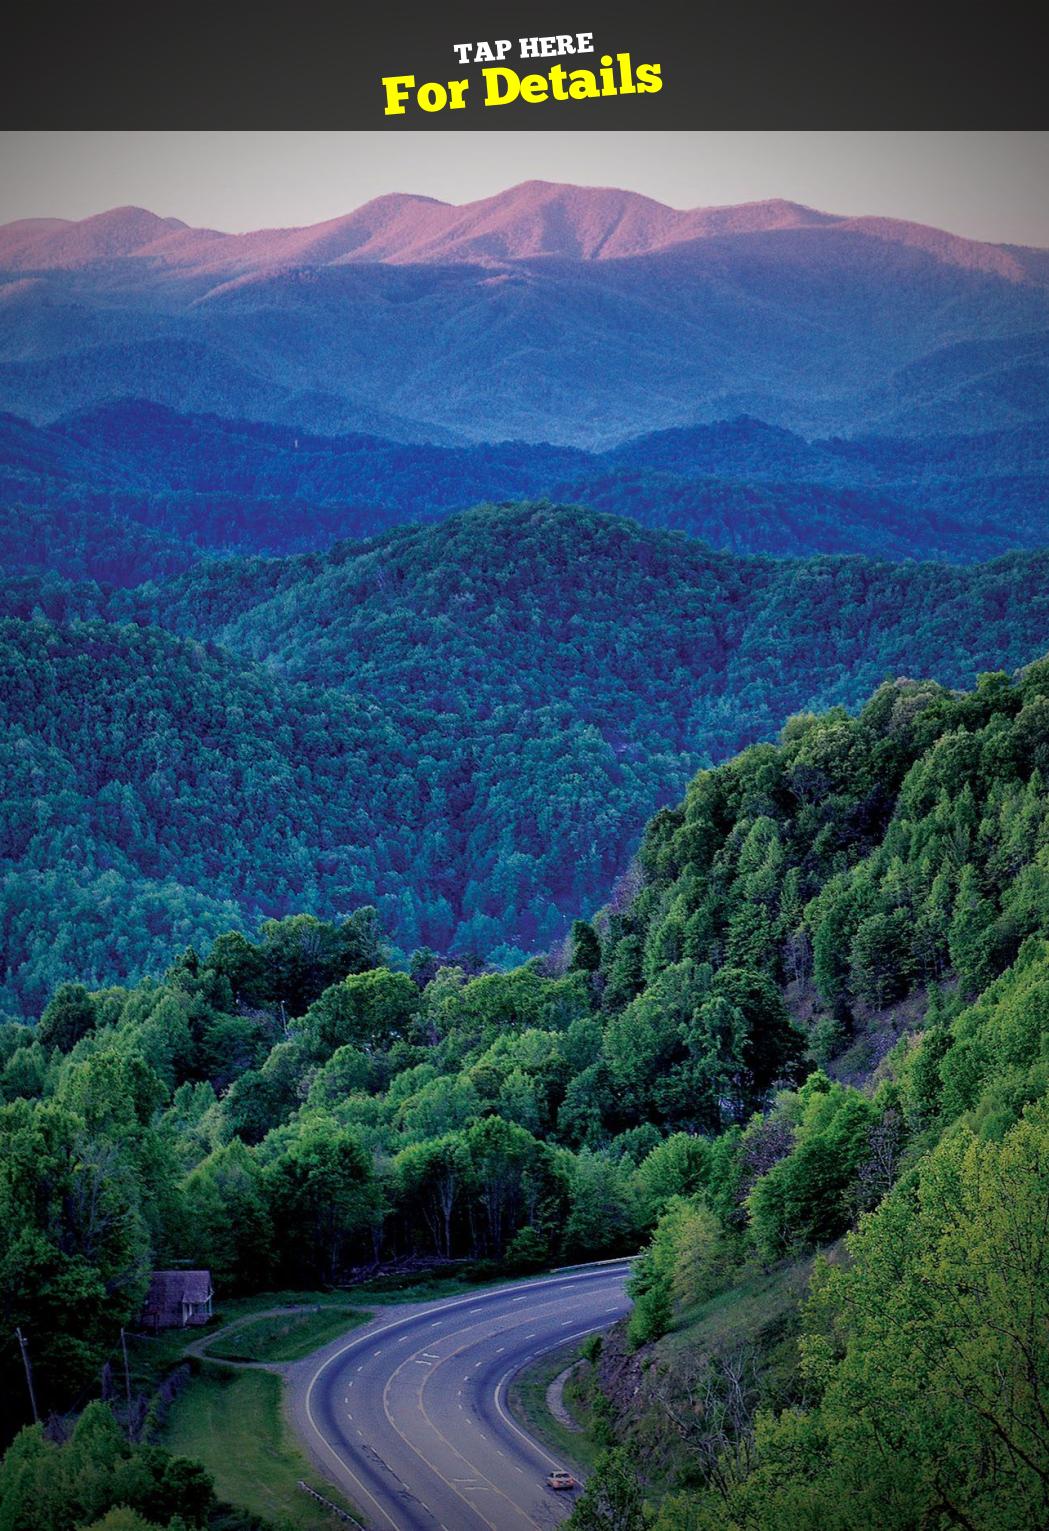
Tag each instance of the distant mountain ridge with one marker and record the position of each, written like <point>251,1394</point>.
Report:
<point>533,219</point>
<point>131,490</point>
<point>581,316</point>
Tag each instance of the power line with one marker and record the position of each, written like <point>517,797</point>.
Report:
<point>127,1379</point>
<point>24,1347</point>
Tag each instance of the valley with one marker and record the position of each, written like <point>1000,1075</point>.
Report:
<point>524,853</point>
<point>465,726</point>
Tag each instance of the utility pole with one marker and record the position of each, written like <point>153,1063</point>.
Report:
<point>127,1380</point>
<point>24,1348</point>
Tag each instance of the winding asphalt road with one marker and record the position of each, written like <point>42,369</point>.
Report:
<point>410,1417</point>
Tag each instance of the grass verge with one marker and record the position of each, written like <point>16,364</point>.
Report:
<point>527,1399</point>
<point>232,1422</point>
<point>286,1336</point>
<point>382,1290</point>
<point>231,1308</point>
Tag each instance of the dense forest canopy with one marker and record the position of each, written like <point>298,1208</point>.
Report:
<point>821,995</point>
<point>465,725</point>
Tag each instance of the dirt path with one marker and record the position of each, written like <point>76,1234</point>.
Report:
<point>200,1347</point>
<point>555,1399</point>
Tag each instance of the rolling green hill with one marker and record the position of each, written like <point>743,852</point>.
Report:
<point>465,725</point>
<point>800,1054</point>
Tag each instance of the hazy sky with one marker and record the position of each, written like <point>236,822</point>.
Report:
<point>985,185</point>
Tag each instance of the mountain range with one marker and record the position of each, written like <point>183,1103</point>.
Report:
<point>416,558</point>
<point>536,218</point>
<point>574,315</point>
<point>460,811</point>
<point>465,725</point>
<point>128,491</point>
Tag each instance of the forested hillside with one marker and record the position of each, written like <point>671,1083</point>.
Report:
<point>130,491</point>
<point>465,725</point>
<point>817,999</point>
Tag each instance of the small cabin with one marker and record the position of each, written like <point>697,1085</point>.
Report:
<point>177,1299</point>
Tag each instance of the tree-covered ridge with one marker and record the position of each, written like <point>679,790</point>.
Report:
<point>129,491</point>
<point>892,865</point>
<point>820,995</point>
<point>465,725</point>
<point>850,325</point>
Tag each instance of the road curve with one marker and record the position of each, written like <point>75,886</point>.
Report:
<point>409,1416</point>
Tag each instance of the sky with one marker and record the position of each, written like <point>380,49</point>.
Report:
<point>984,185</point>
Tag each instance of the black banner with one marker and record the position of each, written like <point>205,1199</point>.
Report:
<point>322,65</point>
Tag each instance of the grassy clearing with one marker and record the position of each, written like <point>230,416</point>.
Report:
<point>232,1422</point>
<point>383,1290</point>
<point>232,1308</point>
<point>153,1356</point>
<point>574,1448</point>
<point>286,1337</point>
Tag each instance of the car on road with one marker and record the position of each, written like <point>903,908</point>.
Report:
<point>560,1479</point>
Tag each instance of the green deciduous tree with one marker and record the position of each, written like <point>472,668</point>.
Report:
<point>613,1499</point>
<point>68,1016</point>
<point>325,1203</point>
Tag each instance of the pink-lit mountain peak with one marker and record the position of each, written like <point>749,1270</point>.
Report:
<point>545,218</point>
<point>533,220</point>
<point>48,242</point>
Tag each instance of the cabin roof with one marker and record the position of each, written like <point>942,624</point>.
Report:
<point>175,1287</point>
